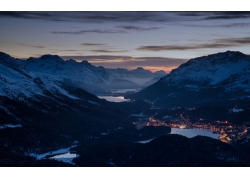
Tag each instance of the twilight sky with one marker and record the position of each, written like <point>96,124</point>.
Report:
<point>153,40</point>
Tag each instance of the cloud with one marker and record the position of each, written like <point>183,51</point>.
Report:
<point>66,50</point>
<point>97,16</point>
<point>228,15</point>
<point>218,43</point>
<point>108,51</point>
<point>97,58</point>
<point>190,14</point>
<point>29,45</point>
<point>177,47</point>
<point>138,28</point>
<point>104,48</point>
<point>27,15</point>
<point>101,31</point>
<point>235,41</point>
<point>223,15</point>
<point>234,25</point>
<point>231,25</point>
<point>92,44</point>
<point>124,16</point>
<point>89,31</point>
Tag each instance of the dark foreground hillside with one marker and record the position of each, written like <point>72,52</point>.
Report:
<point>166,151</point>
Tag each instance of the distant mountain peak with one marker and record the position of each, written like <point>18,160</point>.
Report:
<point>220,55</point>
<point>85,62</point>
<point>139,68</point>
<point>234,52</point>
<point>49,57</point>
<point>71,61</point>
<point>4,55</point>
<point>160,73</point>
<point>216,59</point>
<point>6,58</point>
<point>228,53</point>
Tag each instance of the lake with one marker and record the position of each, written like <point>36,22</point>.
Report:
<point>189,133</point>
<point>194,132</point>
<point>113,98</point>
<point>66,157</point>
<point>124,90</point>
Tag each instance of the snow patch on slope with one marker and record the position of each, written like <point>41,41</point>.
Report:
<point>95,103</point>
<point>10,126</point>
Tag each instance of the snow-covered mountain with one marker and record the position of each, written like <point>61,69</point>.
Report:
<point>40,111</point>
<point>17,81</point>
<point>41,92</point>
<point>52,80</point>
<point>26,94</point>
<point>209,79</point>
<point>229,70</point>
<point>160,73</point>
<point>34,76</point>
<point>70,69</point>
<point>79,74</point>
<point>84,75</point>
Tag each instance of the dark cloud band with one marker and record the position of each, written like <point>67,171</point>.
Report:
<point>138,28</point>
<point>218,43</point>
<point>89,31</point>
<point>32,46</point>
<point>100,17</point>
<point>92,44</point>
<point>108,51</point>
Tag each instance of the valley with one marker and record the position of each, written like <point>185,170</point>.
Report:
<point>84,115</point>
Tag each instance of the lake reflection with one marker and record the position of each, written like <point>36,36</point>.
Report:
<point>194,132</point>
<point>66,155</point>
<point>189,133</point>
<point>113,98</point>
<point>124,90</point>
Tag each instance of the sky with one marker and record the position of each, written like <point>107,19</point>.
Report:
<point>154,40</point>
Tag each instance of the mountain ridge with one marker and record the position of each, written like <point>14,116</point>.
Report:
<point>96,80</point>
<point>221,76</point>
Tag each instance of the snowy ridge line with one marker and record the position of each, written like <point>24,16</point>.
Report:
<point>10,126</point>
<point>95,103</point>
<point>230,69</point>
<point>78,74</point>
